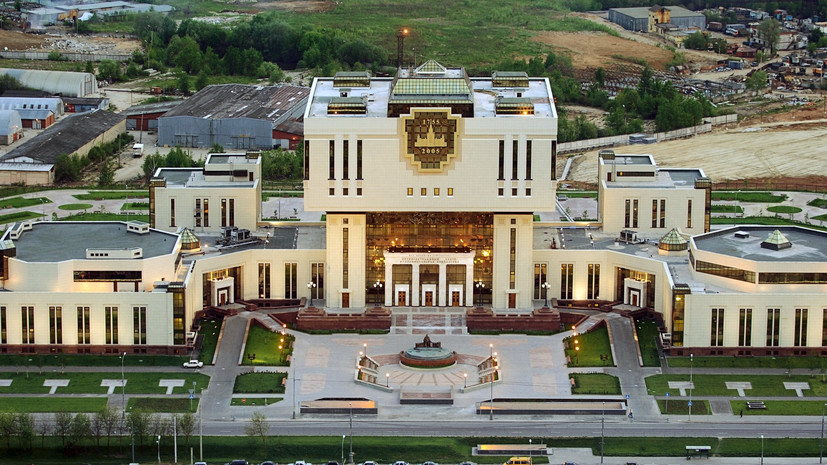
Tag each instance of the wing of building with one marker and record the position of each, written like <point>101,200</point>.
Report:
<point>68,83</point>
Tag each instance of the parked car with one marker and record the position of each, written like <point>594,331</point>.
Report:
<point>369,462</point>
<point>238,461</point>
<point>429,463</point>
<point>200,463</point>
<point>468,463</point>
<point>400,462</point>
<point>333,462</point>
<point>198,364</point>
<point>267,462</point>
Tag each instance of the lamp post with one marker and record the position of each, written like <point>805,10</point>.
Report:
<point>293,363</point>
<point>365,345</point>
<point>691,361</point>
<point>493,371</point>
<point>350,453</point>
<point>310,286</point>
<point>529,450</point>
<point>377,289</point>
<point>480,286</point>
<point>545,286</point>
<point>123,389</point>
<point>200,428</point>
<point>343,448</point>
<point>158,441</point>
<point>465,386</point>
<point>821,449</point>
<point>387,380</point>
<point>762,449</point>
<point>602,435</point>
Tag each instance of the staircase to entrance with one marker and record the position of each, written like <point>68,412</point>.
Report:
<point>428,320</point>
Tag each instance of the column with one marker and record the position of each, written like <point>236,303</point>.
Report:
<point>443,284</point>
<point>469,284</point>
<point>414,291</point>
<point>388,282</point>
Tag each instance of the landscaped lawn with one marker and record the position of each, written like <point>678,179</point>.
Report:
<point>595,350</point>
<point>135,206</point>
<point>647,334</point>
<point>20,202</point>
<point>820,217</point>
<point>264,345</point>
<point>105,217</point>
<point>764,220</point>
<point>715,385</point>
<point>726,209</point>
<point>259,383</point>
<point>112,195</point>
<point>820,203</point>
<point>680,406</point>
<point>263,401</point>
<point>209,329</point>
<point>19,216</point>
<point>75,206</point>
<point>90,383</point>
<point>779,407</point>
<point>749,362</point>
<point>163,404</point>
<point>595,383</point>
<point>578,194</point>
<point>53,404</point>
<point>61,360</point>
<point>783,209</point>
<point>749,196</point>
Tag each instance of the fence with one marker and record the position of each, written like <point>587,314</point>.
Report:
<point>32,55</point>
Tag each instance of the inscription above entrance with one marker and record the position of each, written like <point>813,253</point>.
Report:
<point>431,136</point>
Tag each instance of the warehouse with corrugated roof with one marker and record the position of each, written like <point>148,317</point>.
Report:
<point>11,127</point>
<point>67,83</point>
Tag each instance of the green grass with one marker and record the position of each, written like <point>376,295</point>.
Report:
<point>90,383</point>
<point>112,195</point>
<point>814,362</point>
<point>714,385</point>
<point>783,209</point>
<point>820,203</point>
<point>75,206</point>
<point>647,334</point>
<point>135,206</point>
<point>819,218</point>
<point>283,194</point>
<point>37,64</point>
<point>255,401</point>
<point>105,217</point>
<point>163,404</point>
<point>595,383</point>
<point>20,202</point>
<point>19,216</point>
<point>578,194</point>
<point>53,404</point>
<point>765,220</point>
<point>136,360</point>
<point>680,406</point>
<point>749,196</point>
<point>259,383</point>
<point>727,209</point>
<point>209,329</point>
<point>779,407</point>
<point>265,346</point>
<point>592,346</point>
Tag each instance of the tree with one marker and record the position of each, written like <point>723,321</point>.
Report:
<point>258,427</point>
<point>184,83</point>
<point>696,41</point>
<point>44,429</point>
<point>106,177</point>
<point>89,68</point>
<point>201,81</point>
<point>757,81</point>
<point>63,426</point>
<point>186,426</point>
<point>25,430</point>
<point>8,427</point>
<point>600,77</point>
<point>769,30</point>
<point>138,421</point>
<point>109,70</point>
<point>80,429</point>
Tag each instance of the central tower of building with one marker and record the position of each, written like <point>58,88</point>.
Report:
<point>429,181</point>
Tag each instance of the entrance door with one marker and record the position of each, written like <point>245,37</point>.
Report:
<point>345,300</point>
<point>429,299</point>
<point>455,298</point>
<point>401,298</point>
<point>512,300</point>
<point>634,298</point>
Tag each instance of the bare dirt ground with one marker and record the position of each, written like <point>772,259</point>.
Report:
<point>18,40</point>
<point>589,50</point>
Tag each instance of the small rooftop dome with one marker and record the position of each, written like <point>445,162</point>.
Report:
<point>189,241</point>
<point>776,241</point>
<point>672,242</point>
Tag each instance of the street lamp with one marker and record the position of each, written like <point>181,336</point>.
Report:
<point>158,441</point>
<point>343,448</point>
<point>377,289</point>
<point>546,286</point>
<point>465,386</point>
<point>493,370</point>
<point>200,428</point>
<point>762,449</point>
<point>387,379</point>
<point>365,345</point>
<point>293,363</point>
<point>123,389</point>
<point>529,450</point>
<point>310,286</point>
<point>821,450</point>
<point>691,360</point>
<point>350,454</point>
<point>602,435</point>
<point>480,286</point>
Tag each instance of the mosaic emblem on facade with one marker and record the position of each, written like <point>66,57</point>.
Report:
<point>430,139</point>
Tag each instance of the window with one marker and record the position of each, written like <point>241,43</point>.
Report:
<point>725,271</point>
<point>528,160</point>
<point>206,213</point>
<point>4,331</point>
<point>500,192</point>
<point>331,153</point>
<point>345,191</point>
<point>593,291</point>
<point>306,160</point>
<point>514,192</point>
<point>800,333</point>
<point>331,192</point>
<point>410,192</point>
<point>223,212</point>
<point>345,159</point>
<point>501,175</point>
<point>689,213</point>
<point>436,192</point>
<point>553,159</point>
<point>512,266</point>
<point>773,321</point>
<point>654,213</point>
<point>139,325</point>
<point>55,325</point>
<point>627,217</point>
<point>514,163</point>
<point>345,258</point>
<point>566,280</point>
<point>528,192</point>
<point>716,334</point>
<point>745,327</point>
<point>197,212</point>
<point>263,280</point>
<point>359,160</point>
<point>423,192</point>
<point>84,330</point>
<point>171,213</point>
<point>111,317</point>
<point>450,192</point>
<point>358,192</point>
<point>317,276</point>
<point>634,213</point>
<point>290,280</point>
<point>662,213</point>
<point>27,323</point>
<point>232,212</point>
<point>540,277</point>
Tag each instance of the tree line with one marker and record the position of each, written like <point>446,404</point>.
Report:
<point>69,168</point>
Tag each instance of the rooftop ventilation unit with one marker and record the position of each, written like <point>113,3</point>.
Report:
<point>741,235</point>
<point>137,227</point>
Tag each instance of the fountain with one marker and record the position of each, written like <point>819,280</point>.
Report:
<point>428,354</point>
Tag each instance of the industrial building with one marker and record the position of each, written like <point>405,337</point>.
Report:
<point>235,116</point>
<point>65,83</point>
<point>35,112</point>
<point>646,19</point>
<point>145,117</point>
<point>11,126</point>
